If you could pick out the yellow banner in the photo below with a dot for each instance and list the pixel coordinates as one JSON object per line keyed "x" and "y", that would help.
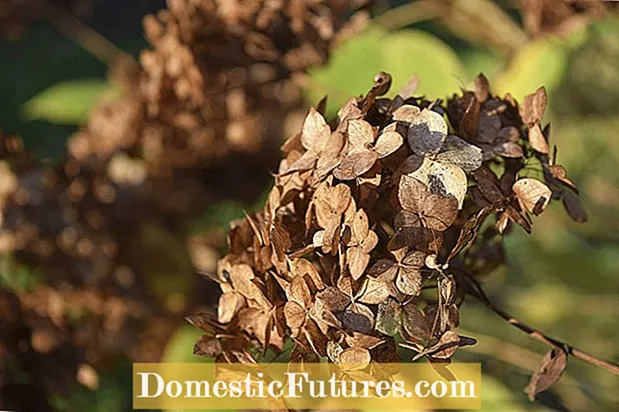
{"x": 396, "y": 387}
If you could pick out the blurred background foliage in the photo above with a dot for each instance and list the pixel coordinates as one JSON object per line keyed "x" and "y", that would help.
{"x": 563, "y": 278}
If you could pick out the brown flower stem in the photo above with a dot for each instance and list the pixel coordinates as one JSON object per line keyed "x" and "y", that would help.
{"x": 88, "y": 38}
{"x": 528, "y": 361}
{"x": 477, "y": 292}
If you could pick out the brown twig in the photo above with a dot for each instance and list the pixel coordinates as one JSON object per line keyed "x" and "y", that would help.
{"x": 528, "y": 361}
{"x": 474, "y": 289}
{"x": 76, "y": 30}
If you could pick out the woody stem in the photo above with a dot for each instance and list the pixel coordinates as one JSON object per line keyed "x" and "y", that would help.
{"x": 475, "y": 290}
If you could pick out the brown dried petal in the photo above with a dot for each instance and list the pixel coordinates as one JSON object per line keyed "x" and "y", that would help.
{"x": 357, "y": 260}
{"x": 446, "y": 346}
{"x": 559, "y": 173}
{"x": 330, "y": 157}
{"x": 489, "y": 126}
{"x": 412, "y": 194}
{"x": 333, "y": 299}
{"x": 360, "y": 340}
{"x": 334, "y": 350}
{"x": 330, "y": 203}
{"x": 316, "y": 132}
{"x": 481, "y": 87}
{"x": 415, "y": 323}
{"x": 360, "y": 135}
{"x": 552, "y": 367}
{"x": 406, "y": 113}
{"x": 508, "y": 149}
{"x": 360, "y": 226}
{"x": 358, "y": 318}
{"x": 355, "y": 164}
{"x": 460, "y": 153}
{"x": 574, "y": 207}
{"x": 306, "y": 162}
{"x": 534, "y": 106}
{"x": 532, "y": 195}
{"x": 408, "y": 281}
{"x": 207, "y": 346}
{"x": 229, "y": 304}
{"x": 295, "y": 314}
{"x": 355, "y": 359}
{"x": 440, "y": 212}
{"x": 305, "y": 268}
{"x": 241, "y": 278}
{"x": 441, "y": 178}
{"x": 384, "y": 270}
{"x": 374, "y": 292}
{"x": 427, "y": 133}
{"x": 414, "y": 259}
{"x": 299, "y": 292}
{"x": 389, "y": 317}
{"x": 537, "y": 139}
{"x": 387, "y": 143}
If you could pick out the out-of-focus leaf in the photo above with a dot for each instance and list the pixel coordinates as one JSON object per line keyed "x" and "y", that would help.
{"x": 542, "y": 62}
{"x": 403, "y": 54}
{"x": 67, "y": 102}
{"x": 16, "y": 277}
{"x": 180, "y": 346}
{"x": 180, "y": 350}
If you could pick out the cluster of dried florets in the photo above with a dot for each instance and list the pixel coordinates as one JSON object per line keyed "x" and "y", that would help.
{"x": 373, "y": 221}
{"x": 217, "y": 80}
{"x": 560, "y": 16}
{"x": 160, "y": 152}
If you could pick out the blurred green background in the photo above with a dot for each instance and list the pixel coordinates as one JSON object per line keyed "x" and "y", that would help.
{"x": 563, "y": 278}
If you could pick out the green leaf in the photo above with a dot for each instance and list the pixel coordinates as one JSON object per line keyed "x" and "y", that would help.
{"x": 403, "y": 54}
{"x": 179, "y": 348}
{"x": 66, "y": 103}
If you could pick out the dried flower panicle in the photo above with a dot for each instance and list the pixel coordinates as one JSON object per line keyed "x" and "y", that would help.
{"x": 209, "y": 100}
{"x": 374, "y": 223}
{"x": 157, "y": 154}
{"x": 219, "y": 79}
{"x": 560, "y": 16}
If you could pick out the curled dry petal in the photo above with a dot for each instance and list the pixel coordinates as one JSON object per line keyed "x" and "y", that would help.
{"x": 229, "y": 304}
{"x": 537, "y": 139}
{"x": 532, "y": 195}
{"x": 534, "y": 106}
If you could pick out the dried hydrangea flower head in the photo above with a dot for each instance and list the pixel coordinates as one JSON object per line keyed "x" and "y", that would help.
{"x": 371, "y": 228}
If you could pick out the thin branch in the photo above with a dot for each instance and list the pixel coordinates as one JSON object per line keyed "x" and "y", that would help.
{"x": 77, "y": 31}
{"x": 528, "y": 361}
{"x": 474, "y": 289}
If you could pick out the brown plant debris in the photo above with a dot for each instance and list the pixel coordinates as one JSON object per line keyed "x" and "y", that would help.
{"x": 372, "y": 218}
{"x": 205, "y": 108}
